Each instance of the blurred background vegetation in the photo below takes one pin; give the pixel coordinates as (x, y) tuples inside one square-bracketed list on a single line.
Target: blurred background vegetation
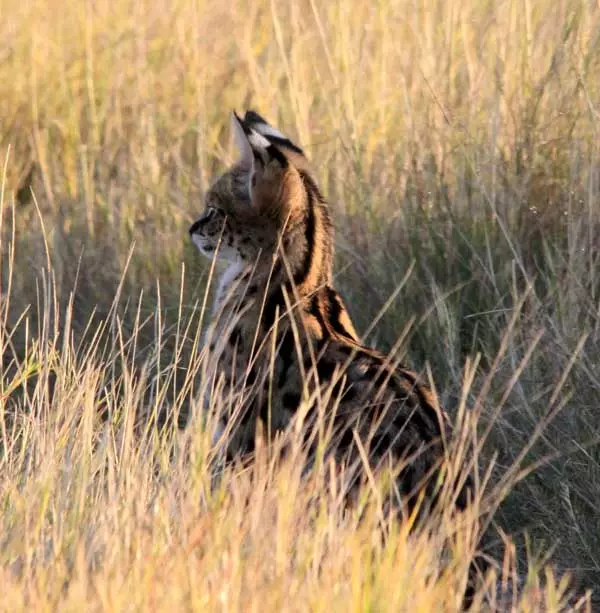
[(461, 139)]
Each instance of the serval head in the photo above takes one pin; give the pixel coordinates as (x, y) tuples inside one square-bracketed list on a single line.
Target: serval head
[(267, 203)]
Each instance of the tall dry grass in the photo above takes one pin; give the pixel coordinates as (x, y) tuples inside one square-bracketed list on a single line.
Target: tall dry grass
[(456, 140)]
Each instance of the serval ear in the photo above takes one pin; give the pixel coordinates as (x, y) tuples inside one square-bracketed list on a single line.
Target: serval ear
[(240, 137), (253, 121), (274, 181), (264, 153)]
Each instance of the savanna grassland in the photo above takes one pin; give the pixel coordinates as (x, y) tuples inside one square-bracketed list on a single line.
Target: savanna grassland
[(458, 144)]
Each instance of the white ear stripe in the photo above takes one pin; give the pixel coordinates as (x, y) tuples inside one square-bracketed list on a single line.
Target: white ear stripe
[(258, 141), (267, 130)]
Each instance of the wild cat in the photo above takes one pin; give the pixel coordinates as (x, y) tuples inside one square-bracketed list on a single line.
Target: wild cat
[(282, 347), (281, 342)]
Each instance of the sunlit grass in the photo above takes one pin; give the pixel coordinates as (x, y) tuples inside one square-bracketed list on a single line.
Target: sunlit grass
[(103, 509), (458, 140)]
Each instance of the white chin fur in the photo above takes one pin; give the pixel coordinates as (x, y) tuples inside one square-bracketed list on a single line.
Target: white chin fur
[(199, 242), (223, 254)]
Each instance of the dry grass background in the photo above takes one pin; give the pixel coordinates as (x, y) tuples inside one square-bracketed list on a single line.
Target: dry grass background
[(455, 140)]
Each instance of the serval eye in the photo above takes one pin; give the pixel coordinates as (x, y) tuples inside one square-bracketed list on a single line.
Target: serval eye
[(253, 181), (211, 211)]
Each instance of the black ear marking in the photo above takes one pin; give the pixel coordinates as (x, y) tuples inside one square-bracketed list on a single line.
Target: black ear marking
[(258, 157), (253, 121), (243, 123), (253, 117), (275, 154), (285, 142)]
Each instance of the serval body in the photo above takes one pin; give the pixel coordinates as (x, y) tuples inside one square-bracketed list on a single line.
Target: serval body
[(281, 343)]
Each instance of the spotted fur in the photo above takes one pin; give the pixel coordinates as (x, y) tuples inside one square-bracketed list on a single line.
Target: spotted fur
[(282, 345)]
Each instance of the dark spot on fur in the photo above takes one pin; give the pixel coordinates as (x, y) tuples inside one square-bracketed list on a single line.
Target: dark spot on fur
[(321, 344), (350, 393), (287, 353), (346, 440), (265, 412), (376, 375), (381, 443), (282, 378), (273, 301), (236, 337), (290, 401), (325, 370), (406, 484), (346, 350), (248, 448), (342, 389)]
